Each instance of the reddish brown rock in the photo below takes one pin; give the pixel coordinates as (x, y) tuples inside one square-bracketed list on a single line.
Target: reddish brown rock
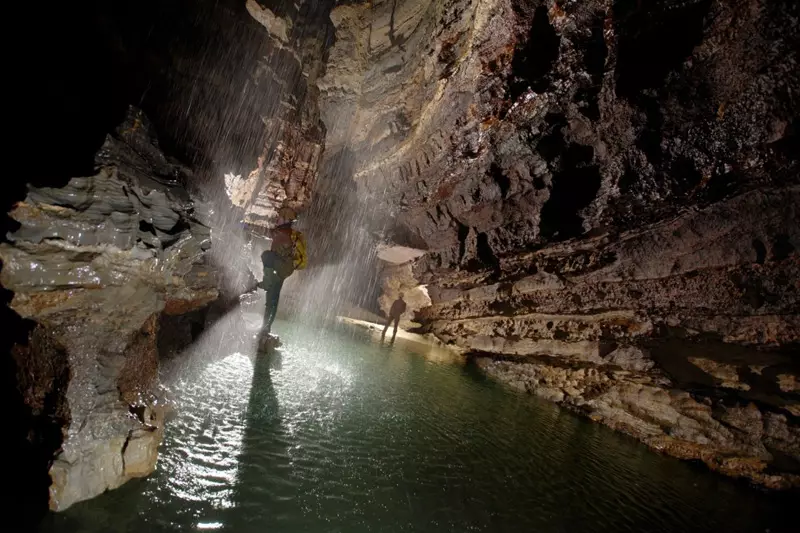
[(586, 179)]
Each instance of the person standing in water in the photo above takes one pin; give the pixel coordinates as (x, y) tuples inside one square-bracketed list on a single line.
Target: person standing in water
[(396, 311), (287, 254)]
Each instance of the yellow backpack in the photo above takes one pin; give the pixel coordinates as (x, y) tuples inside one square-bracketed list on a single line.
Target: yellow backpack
[(299, 250)]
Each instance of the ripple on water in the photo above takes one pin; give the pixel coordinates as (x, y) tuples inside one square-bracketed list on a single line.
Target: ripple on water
[(340, 434)]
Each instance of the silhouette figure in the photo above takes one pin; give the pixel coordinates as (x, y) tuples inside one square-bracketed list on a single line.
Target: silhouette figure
[(396, 311), (287, 254)]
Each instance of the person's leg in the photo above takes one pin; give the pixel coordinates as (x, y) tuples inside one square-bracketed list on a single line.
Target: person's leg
[(275, 297), (269, 285), (396, 323), (386, 327), (267, 311)]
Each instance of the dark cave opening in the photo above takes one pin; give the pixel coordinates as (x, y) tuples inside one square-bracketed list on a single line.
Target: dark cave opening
[(782, 247), (685, 177), (627, 180), (761, 251), (533, 63), (485, 256), (499, 177), (485, 253), (654, 39), (649, 139), (573, 189), (551, 144), (463, 233)]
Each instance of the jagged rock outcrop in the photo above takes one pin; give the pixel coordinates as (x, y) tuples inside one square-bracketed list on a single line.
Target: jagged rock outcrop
[(588, 178), (229, 84), (653, 394), (94, 264), (285, 77)]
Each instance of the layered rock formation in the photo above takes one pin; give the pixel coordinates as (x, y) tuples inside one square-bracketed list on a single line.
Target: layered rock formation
[(113, 267), (94, 264), (590, 181), (605, 194), (292, 61), (229, 84)]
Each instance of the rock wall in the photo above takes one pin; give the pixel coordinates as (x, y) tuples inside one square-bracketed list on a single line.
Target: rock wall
[(592, 181), (94, 264), (231, 87), (229, 84), (285, 77)]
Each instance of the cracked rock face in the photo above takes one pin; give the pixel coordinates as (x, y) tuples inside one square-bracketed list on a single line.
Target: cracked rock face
[(284, 79), (94, 264), (587, 178)]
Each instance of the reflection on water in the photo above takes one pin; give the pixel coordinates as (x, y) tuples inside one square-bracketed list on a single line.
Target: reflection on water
[(208, 442), (337, 433)]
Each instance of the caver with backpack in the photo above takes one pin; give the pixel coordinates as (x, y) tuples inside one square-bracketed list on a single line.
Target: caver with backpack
[(288, 254)]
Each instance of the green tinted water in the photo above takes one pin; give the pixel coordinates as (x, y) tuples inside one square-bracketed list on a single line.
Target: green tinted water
[(336, 433)]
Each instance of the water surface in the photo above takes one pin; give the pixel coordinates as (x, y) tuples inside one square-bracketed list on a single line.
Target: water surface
[(338, 433)]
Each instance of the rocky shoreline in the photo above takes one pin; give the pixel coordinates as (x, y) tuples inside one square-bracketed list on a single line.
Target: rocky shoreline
[(747, 438)]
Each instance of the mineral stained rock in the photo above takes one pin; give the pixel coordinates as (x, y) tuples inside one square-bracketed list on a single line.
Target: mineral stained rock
[(607, 194), (94, 264), (285, 87)]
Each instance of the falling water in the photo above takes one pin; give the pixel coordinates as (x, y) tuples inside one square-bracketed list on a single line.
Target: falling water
[(344, 225), (259, 84), (341, 223)]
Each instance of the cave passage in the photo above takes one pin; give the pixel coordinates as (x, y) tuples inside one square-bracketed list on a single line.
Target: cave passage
[(592, 205), (336, 432)]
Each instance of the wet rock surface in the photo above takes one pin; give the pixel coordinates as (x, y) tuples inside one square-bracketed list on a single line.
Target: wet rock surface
[(94, 264), (605, 195), (587, 178), (753, 435), (284, 83)]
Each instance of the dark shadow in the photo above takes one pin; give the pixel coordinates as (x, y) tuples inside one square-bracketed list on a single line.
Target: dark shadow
[(27, 438), (264, 447), (573, 189), (673, 352), (654, 39), (532, 64)]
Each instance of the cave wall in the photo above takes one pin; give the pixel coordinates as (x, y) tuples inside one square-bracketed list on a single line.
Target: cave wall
[(592, 181), (229, 85), (284, 77), (106, 264), (605, 192), (93, 264)]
